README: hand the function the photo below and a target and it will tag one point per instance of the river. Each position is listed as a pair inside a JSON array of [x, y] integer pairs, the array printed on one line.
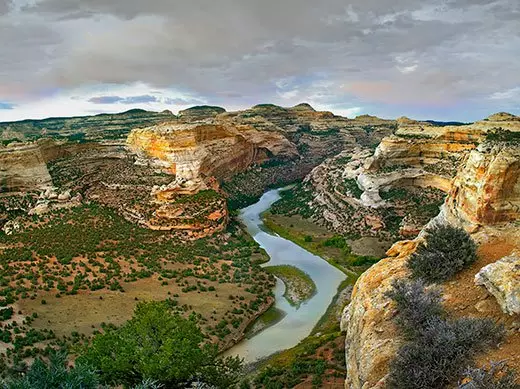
[[297, 322]]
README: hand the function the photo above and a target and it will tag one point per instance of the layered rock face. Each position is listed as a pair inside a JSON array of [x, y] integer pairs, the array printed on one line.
[[367, 190], [484, 199], [23, 168], [487, 190], [194, 151]]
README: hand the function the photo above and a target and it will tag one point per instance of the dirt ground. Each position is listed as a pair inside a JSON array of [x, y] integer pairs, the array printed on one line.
[[464, 298], [86, 311]]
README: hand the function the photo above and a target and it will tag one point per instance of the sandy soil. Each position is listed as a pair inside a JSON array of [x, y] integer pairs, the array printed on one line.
[[464, 298]]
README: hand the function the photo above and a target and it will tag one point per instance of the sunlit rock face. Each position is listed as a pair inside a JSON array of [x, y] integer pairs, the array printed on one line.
[[483, 196], [23, 168], [487, 189], [371, 338], [192, 151], [502, 280]]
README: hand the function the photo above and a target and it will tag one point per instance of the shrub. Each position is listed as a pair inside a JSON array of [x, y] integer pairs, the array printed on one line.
[[160, 345], [416, 306], [55, 374], [439, 354], [447, 251], [438, 348], [496, 377]]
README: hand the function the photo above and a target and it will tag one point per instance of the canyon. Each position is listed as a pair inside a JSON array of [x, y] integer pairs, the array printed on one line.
[[182, 177]]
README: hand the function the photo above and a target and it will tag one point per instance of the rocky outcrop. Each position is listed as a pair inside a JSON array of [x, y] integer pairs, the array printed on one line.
[[198, 150], [502, 280], [366, 190], [200, 112], [23, 168], [371, 339], [487, 190], [484, 199]]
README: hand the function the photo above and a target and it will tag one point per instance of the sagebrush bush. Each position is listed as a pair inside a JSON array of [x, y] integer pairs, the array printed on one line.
[[447, 251], [498, 376], [438, 348], [438, 356], [415, 304]]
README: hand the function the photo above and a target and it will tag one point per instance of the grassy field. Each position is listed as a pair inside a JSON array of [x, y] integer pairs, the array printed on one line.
[[316, 239], [73, 270], [299, 287], [267, 319]]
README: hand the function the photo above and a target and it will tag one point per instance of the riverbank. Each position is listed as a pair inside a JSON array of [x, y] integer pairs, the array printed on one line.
[[319, 241], [299, 287], [298, 322], [319, 359]]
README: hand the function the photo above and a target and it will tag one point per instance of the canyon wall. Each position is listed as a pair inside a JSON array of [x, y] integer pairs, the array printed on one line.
[[487, 190], [368, 192], [483, 197], [200, 150], [23, 168]]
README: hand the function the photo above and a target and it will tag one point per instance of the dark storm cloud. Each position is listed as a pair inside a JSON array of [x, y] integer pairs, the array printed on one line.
[[371, 53]]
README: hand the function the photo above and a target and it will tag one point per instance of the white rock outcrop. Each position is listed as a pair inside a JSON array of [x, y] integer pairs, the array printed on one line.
[[502, 280]]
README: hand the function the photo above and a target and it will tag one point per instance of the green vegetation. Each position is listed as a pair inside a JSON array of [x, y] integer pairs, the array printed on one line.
[[247, 187], [437, 347], [87, 249], [342, 257], [305, 362], [146, 346], [55, 374], [447, 251], [501, 135], [351, 186], [103, 126], [394, 194], [299, 287], [293, 201]]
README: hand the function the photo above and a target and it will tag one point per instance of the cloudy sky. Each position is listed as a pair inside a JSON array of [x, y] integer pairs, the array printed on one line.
[[438, 59]]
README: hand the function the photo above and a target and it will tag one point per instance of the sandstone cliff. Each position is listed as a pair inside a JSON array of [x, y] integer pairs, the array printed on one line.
[[199, 150], [23, 168], [484, 199], [368, 193]]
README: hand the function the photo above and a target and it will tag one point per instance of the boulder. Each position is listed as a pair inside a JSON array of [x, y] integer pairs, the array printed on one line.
[[502, 280], [64, 196], [40, 209]]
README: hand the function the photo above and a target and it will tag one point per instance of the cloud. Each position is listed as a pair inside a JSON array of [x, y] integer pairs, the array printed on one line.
[[4, 105], [182, 101], [513, 93], [123, 100], [396, 54], [5, 5], [105, 99]]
